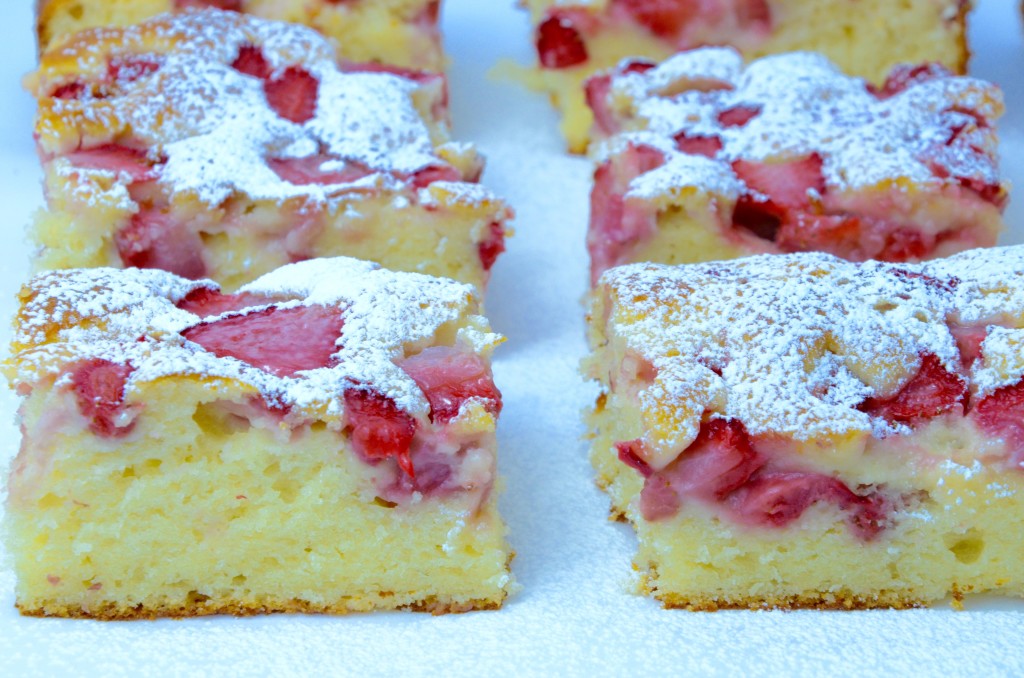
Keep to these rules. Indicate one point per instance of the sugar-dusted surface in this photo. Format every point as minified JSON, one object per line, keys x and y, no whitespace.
{"x":574,"y":615}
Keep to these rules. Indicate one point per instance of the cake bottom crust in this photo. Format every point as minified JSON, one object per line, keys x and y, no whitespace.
{"x":838,"y":600}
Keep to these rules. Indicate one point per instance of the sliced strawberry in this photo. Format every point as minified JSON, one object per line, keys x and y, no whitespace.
{"x":250,"y":61}
{"x":232,"y":5}
{"x":763,"y":218}
{"x":276,"y":340}
{"x":664,"y":18}
{"x":754,"y":14}
{"x":658,"y":499}
{"x":969,"y":339}
{"x":738,"y":116}
{"x":126,"y":69}
{"x":994,"y":193}
{"x":99,"y":392}
{"x":154,"y":240}
{"x":69,"y":90}
{"x":449,"y":377}
{"x":428,"y":175}
{"x":708,"y":146}
{"x":904,"y":76}
{"x":597,"y":89}
{"x":378,"y":428}
{"x":932,"y":392}
{"x":115,"y":158}
{"x":559,"y":44}
{"x":1001,"y":415}
{"x":490,"y":247}
{"x":205,"y":302}
{"x":785,"y":183}
{"x":308,"y":170}
{"x":630,"y":453}
{"x":293,"y":94}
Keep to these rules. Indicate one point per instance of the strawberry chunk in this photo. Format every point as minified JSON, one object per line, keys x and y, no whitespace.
{"x":738,"y":116}
{"x":309,"y":170}
{"x":205,"y":302}
{"x":127,"y":69}
{"x":664,"y":18}
{"x":98,"y":386}
{"x":154,"y":240}
{"x":559,"y":44}
{"x":1001,"y":415}
{"x":233,"y":5}
{"x":293,"y":94}
{"x":428,"y":175}
{"x":490,"y":247}
{"x":708,"y":146}
{"x":378,"y":428}
{"x":969,"y":339}
{"x":449,"y":377}
{"x":597,"y":88}
{"x":281,"y":341}
{"x":932,"y":392}
{"x":754,"y":15}
{"x":904,"y":76}
{"x":784,"y":183}
{"x":631,"y":454}
{"x":250,"y":61}
{"x":115,"y":158}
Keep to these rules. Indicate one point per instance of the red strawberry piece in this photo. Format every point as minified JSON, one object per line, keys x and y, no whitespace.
{"x":205,"y":302}
{"x":738,"y":116}
{"x":708,"y":146}
{"x":597,"y":89}
{"x":754,"y":15}
{"x":70,"y":90}
{"x":115,"y":158}
{"x":1001,"y":415}
{"x":990,"y":192}
{"x":250,"y":61}
{"x":378,"y":428}
{"x":99,"y":392}
{"x":490,"y":247}
{"x":449,"y":377}
{"x":614,"y":226}
{"x":293,"y":94}
{"x":658,"y":499}
{"x":763,"y":218}
{"x":932,"y":392}
{"x":131,"y":68}
{"x":784,"y":183}
{"x":664,"y":18}
{"x":969,"y":339}
{"x":630,"y":453}
{"x":309,"y":170}
{"x":279,"y":341}
{"x":154,"y":240}
{"x":905,"y":76}
{"x":559,"y":44}
{"x":233,"y":5}
{"x":428,"y":175}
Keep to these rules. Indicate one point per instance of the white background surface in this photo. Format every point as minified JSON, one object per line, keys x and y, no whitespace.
{"x":574,"y":614}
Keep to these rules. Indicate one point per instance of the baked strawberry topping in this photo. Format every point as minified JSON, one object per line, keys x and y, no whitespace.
{"x":490,"y":247}
{"x":127,"y":69}
{"x":673,"y":19}
{"x":615,"y":225}
{"x":233,"y":5}
{"x":69,"y":90}
{"x":310,"y":170}
{"x":722,"y":468}
{"x":293,"y":94}
{"x":969,"y":339}
{"x":708,"y":146}
{"x":205,"y":302}
{"x":664,"y":18}
{"x":904,"y":76}
{"x":378,"y":428}
{"x":281,"y":341}
{"x":115,"y":158}
{"x":1001,"y":415}
{"x":784,"y":183}
{"x":153,"y":239}
{"x":738,"y":116}
{"x":932,"y":392}
{"x":99,"y":392}
{"x":559,"y":44}
{"x":449,"y":377}
{"x":250,"y":61}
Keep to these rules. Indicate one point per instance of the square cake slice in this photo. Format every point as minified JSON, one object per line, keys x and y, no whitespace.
{"x":705,"y":158}
{"x":321,"y":441}
{"x":576,"y":38}
{"x":401,"y":33}
{"x":803,"y":431}
{"x":215,"y":144}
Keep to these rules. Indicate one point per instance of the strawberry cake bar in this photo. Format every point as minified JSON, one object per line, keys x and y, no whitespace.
{"x":576,"y":38}
{"x":803,"y":431}
{"x":215,"y":144}
{"x":399,"y":33}
{"x":321,"y":441}
{"x":704,"y":158}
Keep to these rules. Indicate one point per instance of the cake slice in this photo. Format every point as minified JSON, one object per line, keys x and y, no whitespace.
{"x":321,"y":441}
{"x":215,"y":144}
{"x":803,"y":431}
{"x":400,"y":33}
{"x":705,"y":158}
{"x":576,"y":38}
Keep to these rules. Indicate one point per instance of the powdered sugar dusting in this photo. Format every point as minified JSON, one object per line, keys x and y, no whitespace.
{"x":129,"y":316}
{"x":797,"y":342}
{"x":214,"y":125}
{"x":805,"y":105}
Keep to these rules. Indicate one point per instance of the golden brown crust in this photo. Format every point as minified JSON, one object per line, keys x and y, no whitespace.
{"x":964,"y":48}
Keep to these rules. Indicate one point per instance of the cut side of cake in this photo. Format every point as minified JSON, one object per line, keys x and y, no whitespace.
{"x":402,"y":33}
{"x":706,"y":158}
{"x":321,"y":441}
{"x":803,"y":431}
{"x":215,"y":144}
{"x":576,"y":38}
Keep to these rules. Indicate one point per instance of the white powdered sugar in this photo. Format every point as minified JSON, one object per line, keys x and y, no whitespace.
{"x":129,"y":316}
{"x":805,"y":105}
{"x":797,"y":342}
{"x":213,"y":125}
